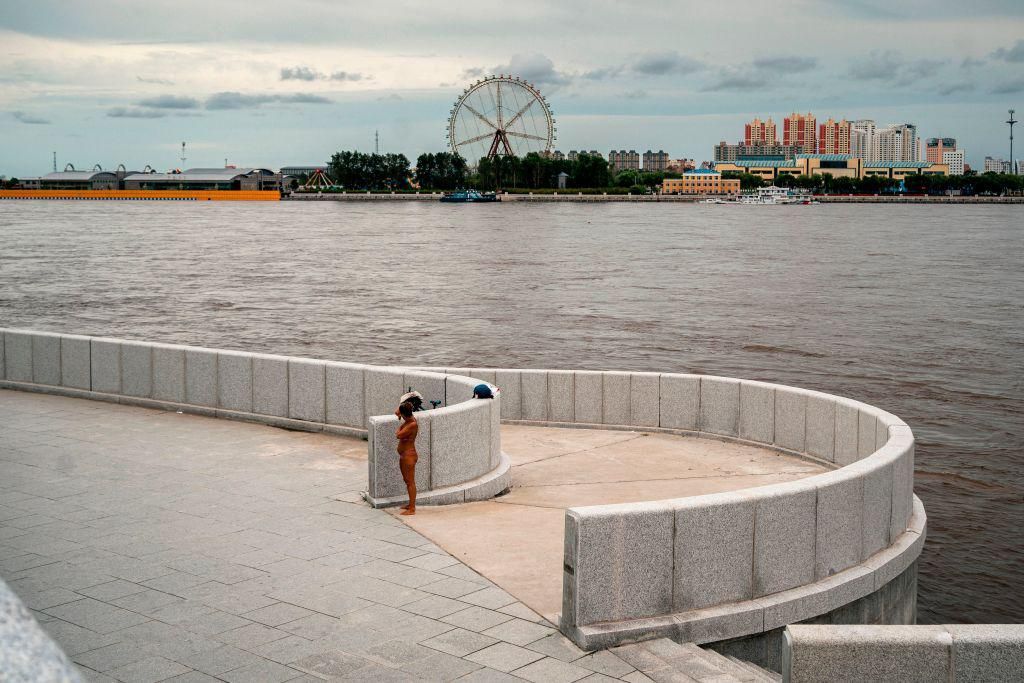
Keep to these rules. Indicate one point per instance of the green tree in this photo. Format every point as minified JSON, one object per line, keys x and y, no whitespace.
{"x":441,"y":171}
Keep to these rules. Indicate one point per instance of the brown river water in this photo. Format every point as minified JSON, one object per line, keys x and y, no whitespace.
{"x":916,"y":309}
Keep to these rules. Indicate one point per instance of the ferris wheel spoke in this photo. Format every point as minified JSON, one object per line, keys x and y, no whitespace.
{"x":525,"y":135}
{"x":479,"y":116}
{"x":478,"y":138}
{"x":500,"y":124}
{"x":519,"y":113}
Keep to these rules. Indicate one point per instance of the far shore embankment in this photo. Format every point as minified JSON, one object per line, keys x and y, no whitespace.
{"x":684,"y":199}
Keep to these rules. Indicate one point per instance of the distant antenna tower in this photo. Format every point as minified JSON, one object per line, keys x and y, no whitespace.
{"x":54,"y":162}
{"x":182,"y":157}
{"x":376,"y":142}
{"x":1013,"y":164}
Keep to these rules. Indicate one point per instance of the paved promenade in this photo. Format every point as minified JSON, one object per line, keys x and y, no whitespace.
{"x":159,"y":546}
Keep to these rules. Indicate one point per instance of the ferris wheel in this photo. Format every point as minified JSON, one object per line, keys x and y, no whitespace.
{"x":500,"y":115}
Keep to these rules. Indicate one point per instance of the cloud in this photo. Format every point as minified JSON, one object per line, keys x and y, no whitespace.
{"x":237,"y":100}
{"x":135,"y":113}
{"x":602,"y":73}
{"x":953,"y":88}
{"x":393,"y":97}
{"x":299,"y":73}
{"x":635,"y":94}
{"x":1009,"y":87}
{"x":536,"y":68}
{"x":29,"y":118}
{"x":169,"y":102}
{"x":892,"y":67}
{"x":669,"y":62}
{"x":736,"y":80}
{"x":971,"y":63}
{"x":1014,"y":54}
{"x":156,"y":81}
{"x":475,"y":72}
{"x":786,"y":63}
{"x":346,"y":76}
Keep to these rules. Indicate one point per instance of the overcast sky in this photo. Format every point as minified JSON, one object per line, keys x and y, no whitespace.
{"x":291,"y":81}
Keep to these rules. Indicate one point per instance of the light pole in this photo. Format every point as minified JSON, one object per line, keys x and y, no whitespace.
{"x":1013,"y":164}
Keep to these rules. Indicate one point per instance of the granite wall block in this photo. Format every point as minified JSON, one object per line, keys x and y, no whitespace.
{"x":270,"y":385}
{"x":987,"y":652}
{"x":495,"y":430}
{"x":617,"y":401}
{"x":201,"y":377}
{"x":757,"y":412}
{"x":137,"y":370}
{"x":821,"y":427}
{"x":306,"y":390}
{"x":460,"y":443}
{"x":535,"y":395}
{"x":105,"y":365}
{"x":387,"y":475}
{"x":458,"y":388}
{"x":511,"y":394}
{"x":680,"y":402}
{"x":76,"y":362}
{"x":902,"y":482}
{"x":719,"y":405}
{"x":623,"y":564}
{"x":46,"y":358}
{"x":840,"y":524}
{"x":487,"y":375}
{"x":587,"y":399}
{"x":569,"y":617}
{"x":234,"y":381}
{"x":881,"y":432}
{"x":847,"y":416}
{"x":3,"y":361}
{"x":877,"y":513}
{"x":866,"y":426}
{"x":714,"y":540}
{"x":345,"y":394}
{"x":645,"y":399}
{"x":18,"y":356}
{"x":784,"y":537}
{"x":790,"y":418}
{"x":430,"y":384}
{"x":561,"y":396}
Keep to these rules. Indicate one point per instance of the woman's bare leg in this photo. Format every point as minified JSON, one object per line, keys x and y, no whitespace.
{"x":409,"y":475}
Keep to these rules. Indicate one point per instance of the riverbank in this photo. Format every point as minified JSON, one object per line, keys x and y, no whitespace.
{"x":147,"y":195}
{"x":674,"y":199}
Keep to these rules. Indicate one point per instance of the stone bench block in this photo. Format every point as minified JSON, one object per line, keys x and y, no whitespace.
{"x":76,"y":362}
{"x":138,"y":367}
{"x":623,"y":561}
{"x":877,"y":511}
{"x":234,"y":381}
{"x":385,"y":474}
{"x":561,"y":396}
{"x":867,"y":423}
{"x":46,"y":356}
{"x":847,"y":417}
{"x":169,"y":373}
{"x":645,"y":399}
{"x":201,"y":377}
{"x":587,"y":398}
{"x":489,"y":376}
{"x":714,"y":540}
{"x":784,"y":537}
{"x":680,"y":402}
{"x":511,"y":394}
{"x":345,"y":394}
{"x":270,"y":385}
{"x":840,"y":524}
{"x":3,"y":361}
{"x":535,"y":395}
{"x":105,"y":367}
{"x":430,"y":384}
{"x":757,"y":412}
{"x":460,"y":443}
{"x":790,"y":418}
{"x":495,"y":429}
{"x":306,"y":390}
{"x":719,"y":405}
{"x":821,"y":426}
{"x":806,"y":602}
{"x":18,"y":356}
{"x":902,"y":482}
{"x":881,"y":432}
{"x":617,"y":402}
{"x":987,"y":652}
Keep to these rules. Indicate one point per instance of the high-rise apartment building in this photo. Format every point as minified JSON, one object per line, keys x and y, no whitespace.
{"x":759,"y":132}
{"x":996,"y":165}
{"x":656,"y":161}
{"x":725,"y":152}
{"x":896,"y":142}
{"x":934,"y":148}
{"x":862,"y":138}
{"x":954,"y":159}
{"x":834,"y":137}
{"x":624,"y":161}
{"x":800,"y":131}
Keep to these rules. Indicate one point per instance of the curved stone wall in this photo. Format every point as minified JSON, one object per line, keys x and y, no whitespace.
{"x":727,"y":565}
{"x":27,"y":653}
{"x":459,"y":442}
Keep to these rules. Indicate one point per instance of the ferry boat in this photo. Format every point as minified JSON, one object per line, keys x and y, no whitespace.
{"x":464,"y":196}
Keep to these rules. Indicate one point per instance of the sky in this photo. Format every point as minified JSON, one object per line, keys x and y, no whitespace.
{"x":290,"y":82}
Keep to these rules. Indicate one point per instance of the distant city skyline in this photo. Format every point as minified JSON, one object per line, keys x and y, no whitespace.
{"x":271,"y":84}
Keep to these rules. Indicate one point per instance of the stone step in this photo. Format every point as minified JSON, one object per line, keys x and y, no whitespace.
{"x":684,"y":662}
{"x":763,"y":675}
{"x":650,"y":664}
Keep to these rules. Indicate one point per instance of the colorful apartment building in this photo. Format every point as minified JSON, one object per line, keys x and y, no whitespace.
{"x":759,"y":132}
{"x":834,"y":137}
{"x":800,"y":131}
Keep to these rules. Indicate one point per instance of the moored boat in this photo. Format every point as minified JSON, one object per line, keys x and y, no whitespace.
{"x":464,"y":196}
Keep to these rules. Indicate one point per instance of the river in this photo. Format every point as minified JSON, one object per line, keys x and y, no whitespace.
{"x":916,"y":309}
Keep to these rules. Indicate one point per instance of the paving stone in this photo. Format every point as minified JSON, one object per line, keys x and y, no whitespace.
{"x":435,"y":606}
{"x":459,"y":642}
{"x":287,"y":649}
{"x":96,"y":616}
{"x":598,"y":678}
{"x":250,"y":636}
{"x":441,"y":667}
{"x":261,"y":672}
{"x":431,"y":561}
{"x":148,"y":670}
{"x":487,"y":675}
{"x":111,"y":590}
{"x":74,"y":639}
{"x":111,"y":656}
{"x":146,"y":601}
{"x":550,"y":670}
{"x":606,"y":663}
{"x":217,"y":661}
{"x":476,"y":619}
{"x":519,"y":631}
{"x":331,"y":664}
{"x":518,"y":609}
{"x":558,"y":646}
{"x":504,"y":657}
{"x":191,"y":677}
{"x":275,"y":615}
{"x":398,"y":652}
{"x":452,"y":587}
{"x":491,"y":598}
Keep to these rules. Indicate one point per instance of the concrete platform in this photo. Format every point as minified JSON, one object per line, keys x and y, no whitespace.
{"x":516,"y":540}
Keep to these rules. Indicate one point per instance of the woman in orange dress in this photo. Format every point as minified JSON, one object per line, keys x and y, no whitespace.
{"x":407,"y":455}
